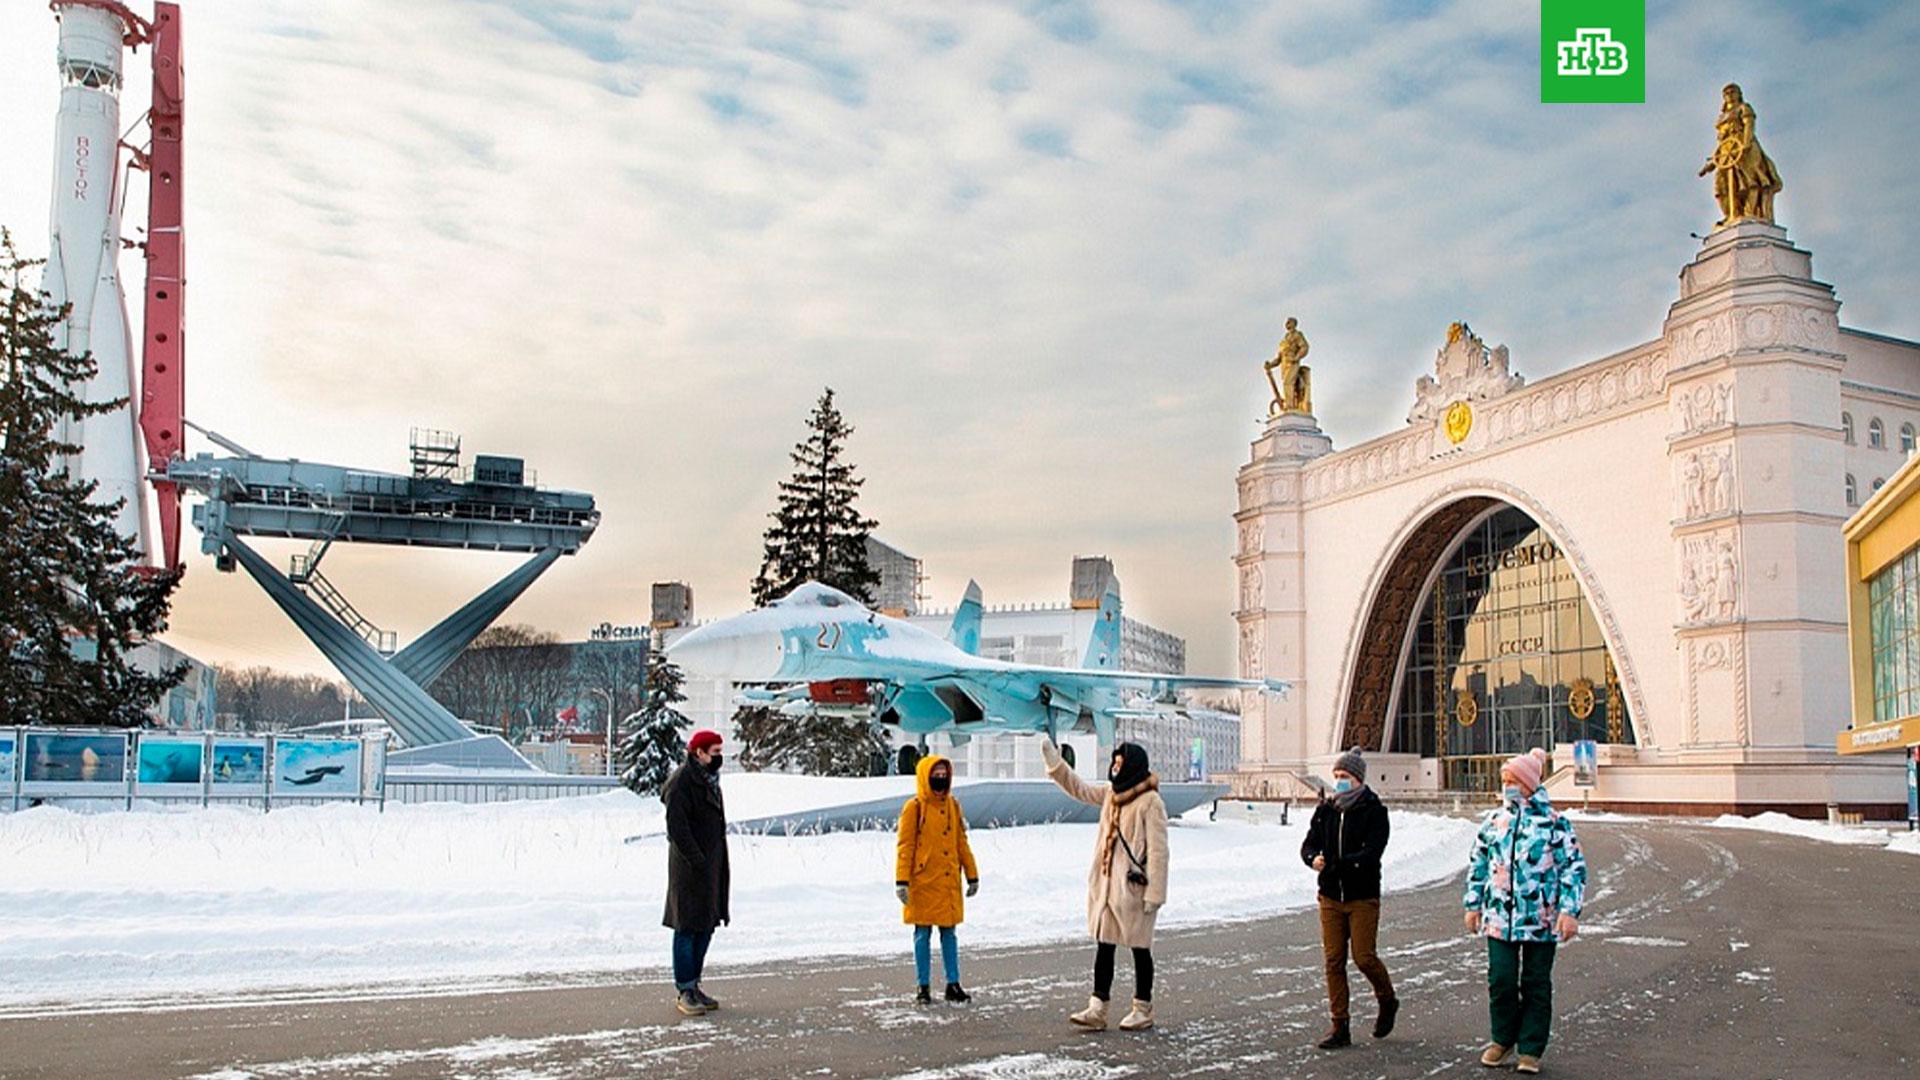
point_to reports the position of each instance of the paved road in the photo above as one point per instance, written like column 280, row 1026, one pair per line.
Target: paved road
column 1709, row 952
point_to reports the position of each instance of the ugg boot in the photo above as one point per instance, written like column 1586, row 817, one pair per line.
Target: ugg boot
column 1138, row 1018
column 1339, row 1035
column 1528, row 1064
column 1094, row 1016
column 1494, row 1055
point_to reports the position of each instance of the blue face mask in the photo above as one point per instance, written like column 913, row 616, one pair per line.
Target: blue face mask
column 1343, row 785
column 1512, row 793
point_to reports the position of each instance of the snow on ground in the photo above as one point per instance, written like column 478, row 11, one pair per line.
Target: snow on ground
column 1775, row 822
column 158, row 903
column 1908, row 842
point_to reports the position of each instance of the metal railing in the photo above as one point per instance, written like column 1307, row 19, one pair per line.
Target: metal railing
column 386, row 642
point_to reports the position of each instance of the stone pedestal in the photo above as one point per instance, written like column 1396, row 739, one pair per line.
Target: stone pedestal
column 1270, row 560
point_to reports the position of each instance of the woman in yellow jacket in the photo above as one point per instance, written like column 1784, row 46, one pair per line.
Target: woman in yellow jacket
column 929, row 859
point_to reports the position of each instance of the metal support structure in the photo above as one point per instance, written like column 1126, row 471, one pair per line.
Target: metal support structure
column 394, row 687
column 163, row 348
column 431, row 653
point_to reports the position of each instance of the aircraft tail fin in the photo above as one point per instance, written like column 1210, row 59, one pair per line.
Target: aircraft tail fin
column 1103, row 646
column 965, row 634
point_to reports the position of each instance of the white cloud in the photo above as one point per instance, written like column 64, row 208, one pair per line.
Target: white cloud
column 1040, row 250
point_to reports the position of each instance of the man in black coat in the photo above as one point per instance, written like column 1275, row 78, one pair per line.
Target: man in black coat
column 697, row 872
column 1344, row 843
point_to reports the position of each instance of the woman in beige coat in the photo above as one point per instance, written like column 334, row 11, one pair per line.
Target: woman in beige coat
column 1128, row 882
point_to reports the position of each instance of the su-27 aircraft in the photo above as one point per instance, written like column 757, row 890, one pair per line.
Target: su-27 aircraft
column 838, row 652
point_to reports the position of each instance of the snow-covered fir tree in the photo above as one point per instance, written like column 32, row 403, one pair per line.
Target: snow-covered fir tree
column 656, row 739
column 817, row 745
column 817, row 533
column 66, row 575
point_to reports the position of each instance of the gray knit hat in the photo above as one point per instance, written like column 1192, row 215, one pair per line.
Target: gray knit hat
column 1351, row 762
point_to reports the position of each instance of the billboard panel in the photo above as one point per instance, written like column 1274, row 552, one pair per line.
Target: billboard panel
column 316, row 768
column 74, row 763
column 170, row 765
column 237, row 767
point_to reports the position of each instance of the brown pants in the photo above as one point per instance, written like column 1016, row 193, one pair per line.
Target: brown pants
column 1358, row 922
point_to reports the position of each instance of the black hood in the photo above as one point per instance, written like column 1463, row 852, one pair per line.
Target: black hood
column 1133, row 766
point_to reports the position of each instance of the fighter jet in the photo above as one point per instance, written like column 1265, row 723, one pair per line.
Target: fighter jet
column 836, row 651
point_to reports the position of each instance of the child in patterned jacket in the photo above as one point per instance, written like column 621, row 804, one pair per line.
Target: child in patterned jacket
column 1526, row 883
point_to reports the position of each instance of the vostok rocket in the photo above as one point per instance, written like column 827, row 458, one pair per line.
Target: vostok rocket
column 82, row 271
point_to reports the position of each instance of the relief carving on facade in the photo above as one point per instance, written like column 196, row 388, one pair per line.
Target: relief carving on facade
column 1253, row 536
column 1706, row 486
column 1252, row 588
column 1703, row 407
column 1705, row 657
column 1250, row 640
column 1709, row 578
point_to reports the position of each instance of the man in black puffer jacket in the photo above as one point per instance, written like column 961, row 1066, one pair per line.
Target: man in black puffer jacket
column 1344, row 843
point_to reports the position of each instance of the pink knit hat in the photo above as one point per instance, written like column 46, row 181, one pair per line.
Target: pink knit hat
column 1525, row 770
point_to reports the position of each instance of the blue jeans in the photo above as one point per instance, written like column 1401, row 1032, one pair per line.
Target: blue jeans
column 923, row 953
column 689, row 957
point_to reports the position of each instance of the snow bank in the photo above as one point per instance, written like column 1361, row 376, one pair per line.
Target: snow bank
column 163, row 903
column 1775, row 822
column 1907, row 842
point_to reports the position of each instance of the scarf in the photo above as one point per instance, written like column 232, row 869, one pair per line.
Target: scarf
column 1344, row 800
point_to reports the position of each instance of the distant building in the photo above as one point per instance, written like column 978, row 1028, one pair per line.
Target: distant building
column 899, row 591
column 572, row 754
column 672, row 604
column 190, row 705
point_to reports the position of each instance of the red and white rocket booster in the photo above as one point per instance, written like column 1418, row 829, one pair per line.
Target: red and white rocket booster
column 83, row 261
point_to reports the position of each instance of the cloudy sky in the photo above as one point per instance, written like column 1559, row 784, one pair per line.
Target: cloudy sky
column 1039, row 248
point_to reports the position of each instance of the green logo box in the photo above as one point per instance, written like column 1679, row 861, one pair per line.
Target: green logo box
column 1593, row 50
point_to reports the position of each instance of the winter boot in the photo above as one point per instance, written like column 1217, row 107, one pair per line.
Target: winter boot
column 1093, row 1016
column 1383, row 1024
column 1339, row 1035
column 956, row 995
column 923, row 997
column 1138, row 1018
column 689, row 1004
column 1528, row 1064
column 712, row 1005
column 1494, row 1055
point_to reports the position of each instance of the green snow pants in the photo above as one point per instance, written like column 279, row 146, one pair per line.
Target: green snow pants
column 1520, row 993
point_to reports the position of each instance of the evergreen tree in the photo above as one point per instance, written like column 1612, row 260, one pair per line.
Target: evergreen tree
column 817, row 534
column 809, row 743
column 656, row 741
column 75, row 595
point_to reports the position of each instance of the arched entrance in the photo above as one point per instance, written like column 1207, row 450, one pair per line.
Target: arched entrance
column 1481, row 644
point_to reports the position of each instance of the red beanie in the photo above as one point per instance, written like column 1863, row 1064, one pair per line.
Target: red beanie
column 703, row 739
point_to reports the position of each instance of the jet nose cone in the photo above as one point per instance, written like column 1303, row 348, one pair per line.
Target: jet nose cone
column 724, row 650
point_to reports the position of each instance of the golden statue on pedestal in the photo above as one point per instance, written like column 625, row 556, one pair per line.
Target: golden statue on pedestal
column 1293, row 390
column 1744, row 178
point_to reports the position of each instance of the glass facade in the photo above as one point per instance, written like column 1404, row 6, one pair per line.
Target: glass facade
column 1506, row 654
column 1893, row 614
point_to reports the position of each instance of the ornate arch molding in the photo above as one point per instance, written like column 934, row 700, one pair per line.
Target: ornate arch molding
column 1376, row 634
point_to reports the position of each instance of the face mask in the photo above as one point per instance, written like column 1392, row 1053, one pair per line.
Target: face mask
column 939, row 783
column 1343, row 785
column 1513, row 793
column 713, row 763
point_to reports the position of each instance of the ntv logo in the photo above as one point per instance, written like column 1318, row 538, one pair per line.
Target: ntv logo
column 1592, row 52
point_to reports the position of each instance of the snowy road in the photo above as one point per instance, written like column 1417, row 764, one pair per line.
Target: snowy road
column 1714, row 952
